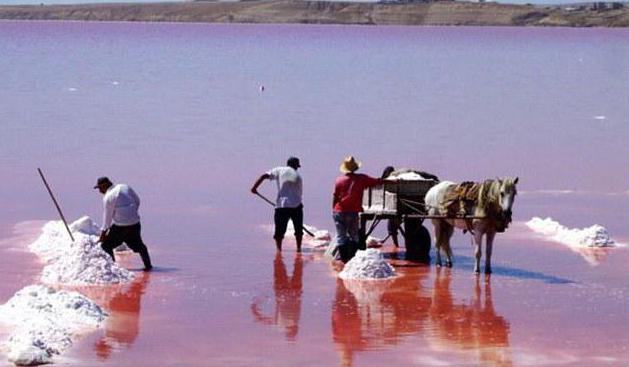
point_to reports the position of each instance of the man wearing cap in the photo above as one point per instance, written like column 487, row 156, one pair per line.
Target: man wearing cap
column 347, row 203
column 121, row 222
column 288, row 205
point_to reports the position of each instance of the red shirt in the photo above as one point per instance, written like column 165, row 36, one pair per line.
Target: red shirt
column 348, row 192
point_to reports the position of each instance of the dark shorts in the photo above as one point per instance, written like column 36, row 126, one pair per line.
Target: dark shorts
column 127, row 234
column 282, row 215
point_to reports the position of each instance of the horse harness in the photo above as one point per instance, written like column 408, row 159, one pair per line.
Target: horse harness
column 459, row 201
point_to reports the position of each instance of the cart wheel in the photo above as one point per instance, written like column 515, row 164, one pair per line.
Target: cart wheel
column 417, row 240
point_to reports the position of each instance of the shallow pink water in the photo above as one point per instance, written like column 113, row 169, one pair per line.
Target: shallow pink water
column 187, row 127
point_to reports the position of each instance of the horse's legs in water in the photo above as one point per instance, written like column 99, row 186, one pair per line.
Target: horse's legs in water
column 449, row 230
column 478, row 252
column 488, row 250
column 437, row 225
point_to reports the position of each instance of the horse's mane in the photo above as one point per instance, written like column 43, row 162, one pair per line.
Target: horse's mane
column 488, row 195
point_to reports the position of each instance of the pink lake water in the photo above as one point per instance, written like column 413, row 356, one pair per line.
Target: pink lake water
column 176, row 111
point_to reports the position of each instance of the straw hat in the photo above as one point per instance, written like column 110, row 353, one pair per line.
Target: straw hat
column 350, row 164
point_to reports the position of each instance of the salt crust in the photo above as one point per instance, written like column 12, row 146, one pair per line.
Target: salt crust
column 367, row 264
column 81, row 262
column 45, row 321
column 593, row 237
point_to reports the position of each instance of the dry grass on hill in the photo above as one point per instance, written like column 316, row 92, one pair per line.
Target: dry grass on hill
column 445, row 12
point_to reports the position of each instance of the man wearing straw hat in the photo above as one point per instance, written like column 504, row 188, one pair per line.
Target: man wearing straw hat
column 121, row 222
column 288, row 205
column 347, row 203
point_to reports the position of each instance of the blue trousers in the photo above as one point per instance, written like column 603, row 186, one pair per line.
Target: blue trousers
column 346, row 227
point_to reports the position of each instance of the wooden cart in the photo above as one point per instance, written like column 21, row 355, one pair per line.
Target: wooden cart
column 402, row 202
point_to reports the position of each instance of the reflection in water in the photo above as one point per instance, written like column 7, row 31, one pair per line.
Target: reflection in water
column 594, row 256
column 288, row 292
column 347, row 330
column 373, row 314
column 123, row 325
column 473, row 327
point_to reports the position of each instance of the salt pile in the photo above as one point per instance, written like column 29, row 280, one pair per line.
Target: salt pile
column 81, row 262
column 321, row 239
column 406, row 176
column 368, row 264
column 595, row 236
column 45, row 322
column 372, row 242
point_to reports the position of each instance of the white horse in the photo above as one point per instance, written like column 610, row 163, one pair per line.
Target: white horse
column 491, row 210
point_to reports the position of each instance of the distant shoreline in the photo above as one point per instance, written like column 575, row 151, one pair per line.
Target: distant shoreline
column 433, row 13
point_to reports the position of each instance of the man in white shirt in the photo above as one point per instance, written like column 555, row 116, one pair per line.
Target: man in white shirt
column 121, row 222
column 288, row 204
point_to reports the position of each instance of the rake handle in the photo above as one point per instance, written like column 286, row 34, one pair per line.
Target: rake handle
column 52, row 196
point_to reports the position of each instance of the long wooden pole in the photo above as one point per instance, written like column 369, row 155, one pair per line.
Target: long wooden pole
column 52, row 196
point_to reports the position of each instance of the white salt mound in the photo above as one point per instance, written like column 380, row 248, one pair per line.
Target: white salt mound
column 373, row 241
column 321, row 240
column 85, row 225
column 81, row 262
column 45, row 321
column 407, row 176
column 593, row 236
column 368, row 264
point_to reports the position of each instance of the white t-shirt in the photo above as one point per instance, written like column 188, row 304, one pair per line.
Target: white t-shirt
column 289, row 186
column 120, row 205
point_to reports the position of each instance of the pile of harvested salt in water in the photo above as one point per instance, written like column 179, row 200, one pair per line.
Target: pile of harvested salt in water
column 322, row 237
column 81, row 262
column 45, row 321
column 373, row 242
column 321, row 240
column 593, row 236
column 368, row 264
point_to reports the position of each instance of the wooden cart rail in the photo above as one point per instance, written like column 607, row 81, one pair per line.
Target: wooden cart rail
column 377, row 218
column 400, row 197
